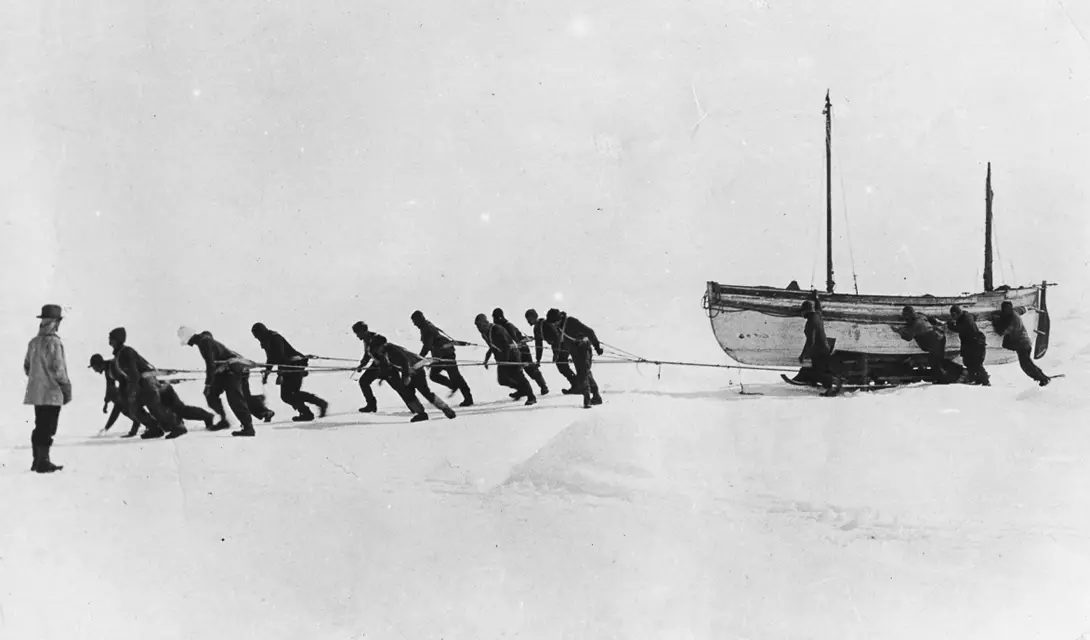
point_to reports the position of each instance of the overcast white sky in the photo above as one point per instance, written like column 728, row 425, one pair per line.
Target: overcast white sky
column 312, row 163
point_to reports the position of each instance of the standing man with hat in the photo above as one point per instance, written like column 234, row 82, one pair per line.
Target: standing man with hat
column 48, row 386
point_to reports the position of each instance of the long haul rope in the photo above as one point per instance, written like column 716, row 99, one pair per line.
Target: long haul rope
column 611, row 355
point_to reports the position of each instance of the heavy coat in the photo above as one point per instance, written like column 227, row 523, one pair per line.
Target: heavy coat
column 218, row 359
column 46, row 369
column 1013, row 330
column 817, row 344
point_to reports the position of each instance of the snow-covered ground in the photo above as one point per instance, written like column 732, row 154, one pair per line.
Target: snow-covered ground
column 681, row 508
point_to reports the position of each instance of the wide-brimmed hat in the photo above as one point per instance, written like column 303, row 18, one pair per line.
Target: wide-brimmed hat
column 52, row 311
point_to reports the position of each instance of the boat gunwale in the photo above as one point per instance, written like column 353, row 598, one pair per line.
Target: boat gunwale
column 716, row 292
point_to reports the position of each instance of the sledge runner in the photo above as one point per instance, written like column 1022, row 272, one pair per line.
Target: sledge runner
column 364, row 335
column 441, row 346
column 142, row 389
column 533, row 370
column 974, row 346
column 578, row 339
column 928, row 336
column 1008, row 324
column 545, row 332
column 817, row 346
column 404, row 370
column 508, row 360
column 291, row 369
column 227, row 372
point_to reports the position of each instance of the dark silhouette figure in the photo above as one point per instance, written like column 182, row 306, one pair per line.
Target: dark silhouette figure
column 974, row 346
column 532, row 369
column 1009, row 324
column 370, row 374
column 404, row 370
column 546, row 333
column 817, row 346
column 435, row 341
column 578, row 339
column 290, row 371
column 508, row 359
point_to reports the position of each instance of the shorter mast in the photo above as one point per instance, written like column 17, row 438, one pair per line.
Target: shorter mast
column 988, row 231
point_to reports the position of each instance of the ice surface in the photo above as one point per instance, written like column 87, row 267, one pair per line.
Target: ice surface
column 680, row 508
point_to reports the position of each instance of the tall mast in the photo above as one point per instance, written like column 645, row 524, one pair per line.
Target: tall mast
column 829, row 284
column 988, row 230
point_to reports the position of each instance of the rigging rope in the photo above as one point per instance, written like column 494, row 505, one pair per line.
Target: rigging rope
column 847, row 226
column 998, row 254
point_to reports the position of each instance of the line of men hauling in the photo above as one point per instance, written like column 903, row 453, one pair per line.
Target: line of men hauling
column 154, row 403
column 930, row 335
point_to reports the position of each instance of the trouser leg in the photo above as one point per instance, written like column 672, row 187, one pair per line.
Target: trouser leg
column 1029, row 367
column 407, row 393
column 582, row 383
column 820, row 365
column 291, row 392
column 369, row 375
column 444, row 368
column 460, row 384
column 243, row 404
column 150, row 398
column 420, row 383
column 46, row 418
column 561, row 359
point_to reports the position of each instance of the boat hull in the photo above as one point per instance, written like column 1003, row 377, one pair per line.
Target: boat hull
column 762, row 325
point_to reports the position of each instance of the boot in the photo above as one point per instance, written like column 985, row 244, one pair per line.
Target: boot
column 44, row 464
column 568, row 392
column 37, row 456
column 208, row 424
column 595, row 399
column 420, row 417
column 304, row 417
column 179, row 430
column 370, row 408
column 150, row 433
column 247, row 431
column 268, row 415
column 531, row 400
column 468, row 402
column 220, row 426
column 323, row 408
